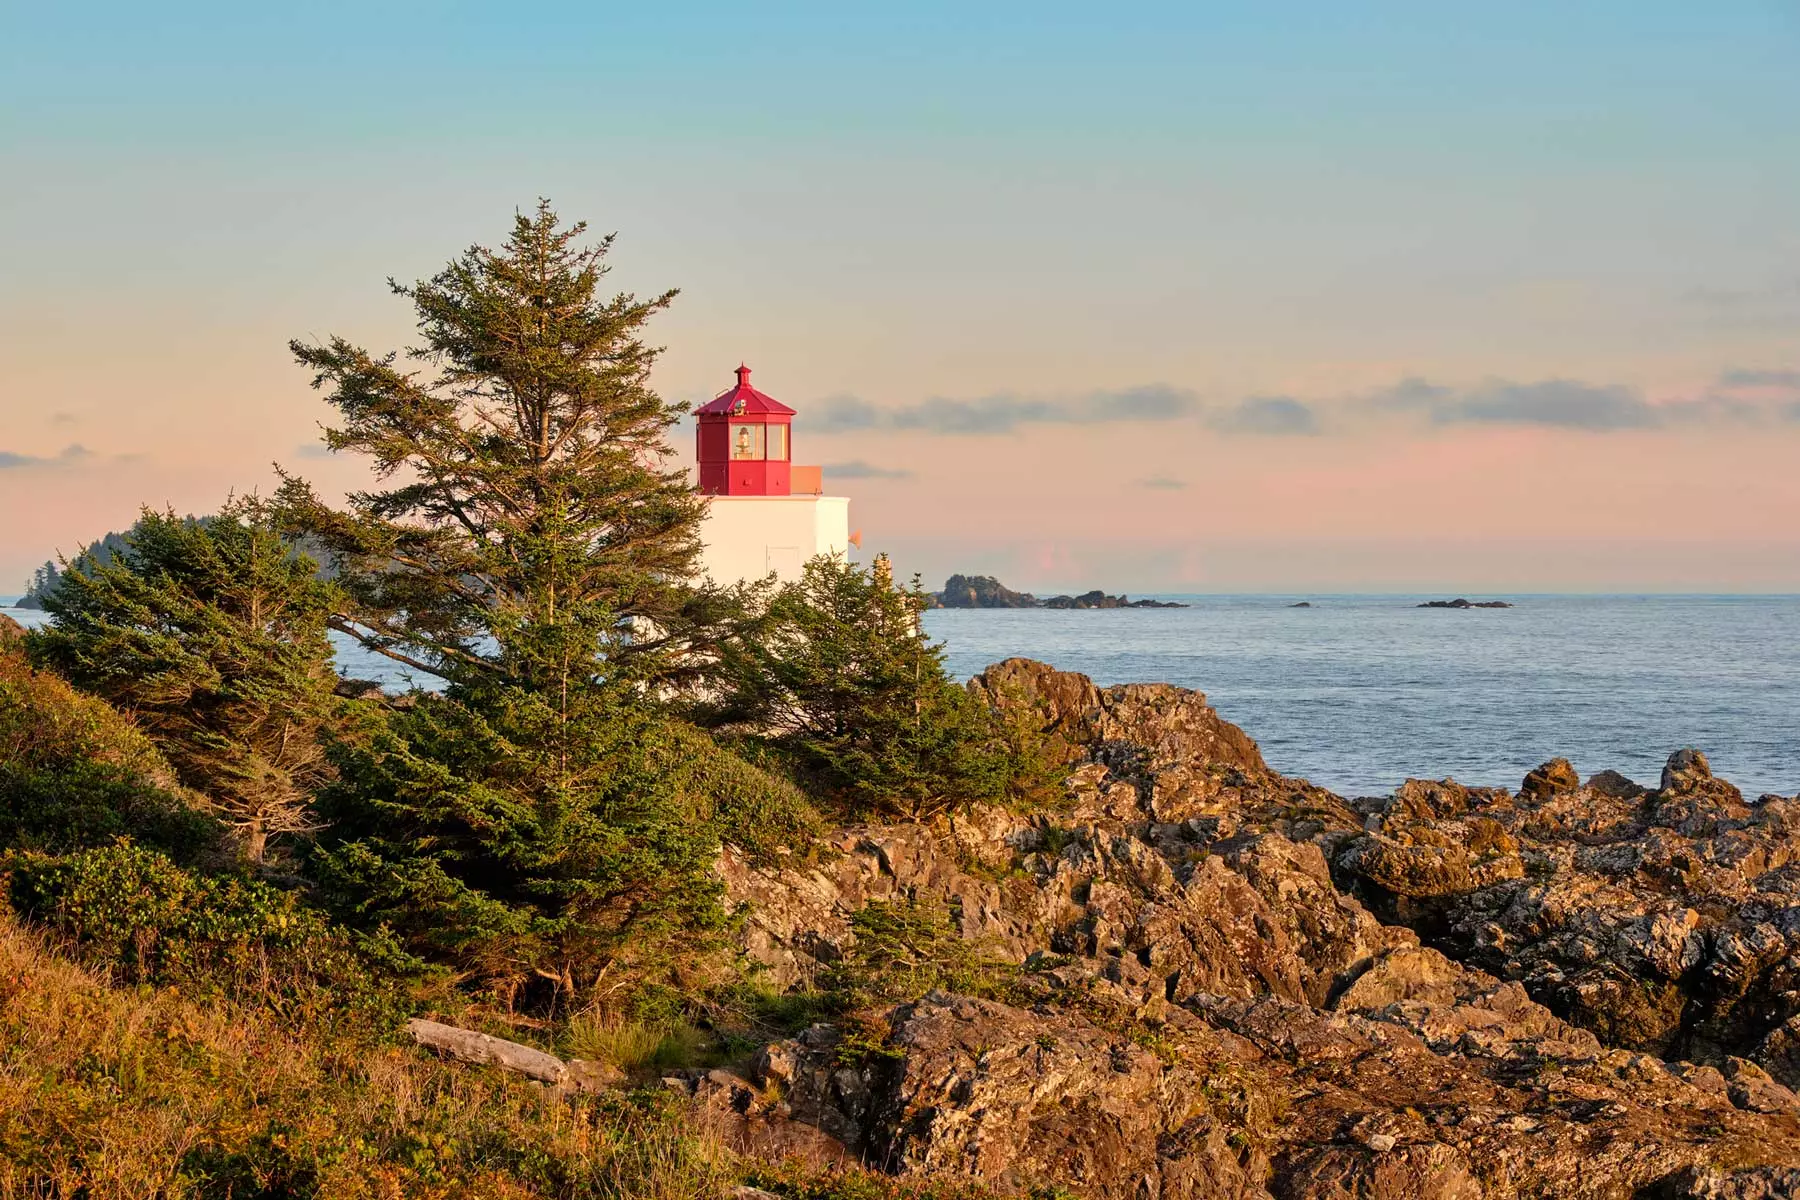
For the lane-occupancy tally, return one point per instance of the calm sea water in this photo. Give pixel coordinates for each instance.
(1360, 692)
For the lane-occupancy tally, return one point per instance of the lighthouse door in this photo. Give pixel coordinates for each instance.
(786, 562)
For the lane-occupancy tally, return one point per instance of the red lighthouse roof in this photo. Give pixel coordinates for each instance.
(728, 402)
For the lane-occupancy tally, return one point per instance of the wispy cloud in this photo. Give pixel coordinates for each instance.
(1788, 381)
(1006, 413)
(70, 454)
(1741, 396)
(312, 450)
(1162, 483)
(858, 469)
(64, 418)
(1559, 403)
(1773, 292)
(1570, 404)
(1272, 415)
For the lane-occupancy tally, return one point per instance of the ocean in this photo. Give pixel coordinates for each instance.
(1358, 693)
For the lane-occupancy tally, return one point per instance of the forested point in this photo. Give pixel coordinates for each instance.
(230, 887)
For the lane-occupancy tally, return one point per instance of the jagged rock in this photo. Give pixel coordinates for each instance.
(1751, 1087)
(982, 591)
(1715, 1183)
(1615, 786)
(1552, 779)
(1237, 984)
(359, 689)
(1685, 771)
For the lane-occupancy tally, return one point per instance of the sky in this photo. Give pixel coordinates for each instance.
(1283, 296)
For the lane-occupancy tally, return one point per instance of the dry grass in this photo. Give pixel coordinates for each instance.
(146, 1093)
(633, 1045)
(107, 1093)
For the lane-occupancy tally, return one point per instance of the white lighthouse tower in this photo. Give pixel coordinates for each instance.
(764, 513)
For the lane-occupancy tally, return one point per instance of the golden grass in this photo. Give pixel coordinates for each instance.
(107, 1093)
(633, 1045)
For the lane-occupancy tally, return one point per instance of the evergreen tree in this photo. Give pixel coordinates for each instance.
(526, 840)
(211, 635)
(532, 547)
(533, 530)
(843, 680)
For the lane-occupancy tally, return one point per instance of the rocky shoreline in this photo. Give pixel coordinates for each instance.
(1232, 983)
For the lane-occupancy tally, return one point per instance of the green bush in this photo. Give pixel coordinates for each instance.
(841, 682)
(136, 913)
(756, 809)
(907, 948)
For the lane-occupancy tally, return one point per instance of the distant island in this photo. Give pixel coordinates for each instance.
(1459, 602)
(984, 591)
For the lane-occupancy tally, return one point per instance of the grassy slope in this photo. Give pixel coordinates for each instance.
(109, 1092)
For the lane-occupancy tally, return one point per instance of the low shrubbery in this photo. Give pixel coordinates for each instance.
(905, 949)
(144, 919)
(110, 1093)
(751, 806)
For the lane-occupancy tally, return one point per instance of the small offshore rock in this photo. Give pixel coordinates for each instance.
(1460, 602)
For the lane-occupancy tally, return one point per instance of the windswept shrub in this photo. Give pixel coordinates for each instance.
(212, 634)
(145, 919)
(841, 681)
(759, 811)
(907, 948)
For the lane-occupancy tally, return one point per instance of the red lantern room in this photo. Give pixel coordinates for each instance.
(744, 449)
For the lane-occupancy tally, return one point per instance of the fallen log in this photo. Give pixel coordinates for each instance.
(474, 1047)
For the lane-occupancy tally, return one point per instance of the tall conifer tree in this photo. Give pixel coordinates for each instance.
(532, 546)
(532, 529)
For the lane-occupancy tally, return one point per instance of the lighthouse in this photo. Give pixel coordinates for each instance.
(764, 514)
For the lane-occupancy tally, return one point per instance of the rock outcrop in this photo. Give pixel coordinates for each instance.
(1232, 983)
(984, 591)
(1666, 920)
(1460, 602)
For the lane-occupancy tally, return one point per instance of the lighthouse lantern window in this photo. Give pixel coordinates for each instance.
(746, 441)
(778, 449)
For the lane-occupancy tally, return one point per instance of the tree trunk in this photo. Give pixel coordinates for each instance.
(256, 842)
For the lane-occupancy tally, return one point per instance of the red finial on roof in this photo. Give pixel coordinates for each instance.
(743, 374)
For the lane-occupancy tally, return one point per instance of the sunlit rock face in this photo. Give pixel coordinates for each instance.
(1236, 984)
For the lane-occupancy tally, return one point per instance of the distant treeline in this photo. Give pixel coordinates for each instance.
(105, 550)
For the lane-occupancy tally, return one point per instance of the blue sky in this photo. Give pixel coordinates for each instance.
(1267, 209)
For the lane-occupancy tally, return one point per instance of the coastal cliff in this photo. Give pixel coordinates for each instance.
(1229, 982)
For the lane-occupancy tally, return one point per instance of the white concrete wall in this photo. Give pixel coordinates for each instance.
(746, 537)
